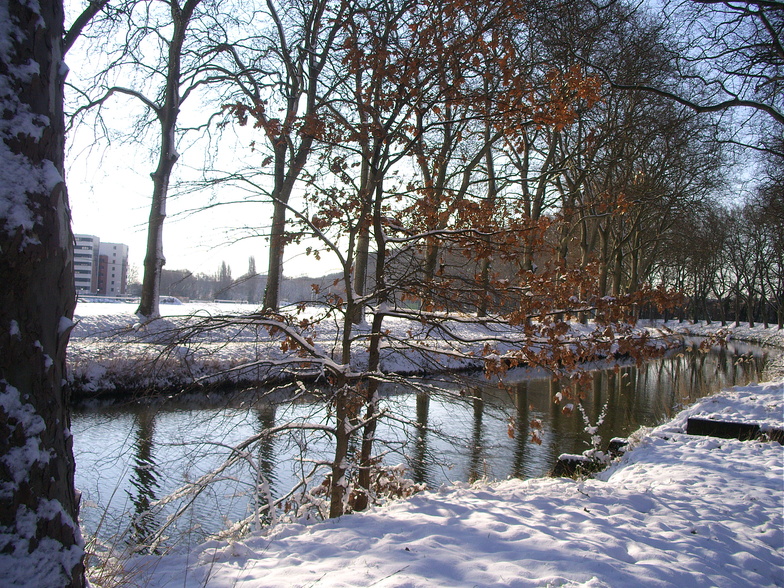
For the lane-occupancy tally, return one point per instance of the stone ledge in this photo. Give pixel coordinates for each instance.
(731, 430)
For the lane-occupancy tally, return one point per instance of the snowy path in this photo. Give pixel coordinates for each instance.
(678, 510)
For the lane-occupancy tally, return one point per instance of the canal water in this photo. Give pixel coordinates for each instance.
(130, 455)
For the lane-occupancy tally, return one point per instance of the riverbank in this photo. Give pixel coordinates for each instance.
(674, 510)
(111, 352)
(215, 345)
(758, 335)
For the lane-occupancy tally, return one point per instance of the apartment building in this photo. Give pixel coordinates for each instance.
(86, 252)
(100, 268)
(112, 269)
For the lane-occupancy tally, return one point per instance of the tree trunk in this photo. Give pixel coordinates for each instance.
(360, 272)
(370, 185)
(617, 271)
(484, 288)
(275, 266)
(281, 194)
(492, 195)
(342, 437)
(429, 268)
(167, 115)
(345, 403)
(40, 541)
(154, 259)
(604, 261)
(371, 420)
(374, 362)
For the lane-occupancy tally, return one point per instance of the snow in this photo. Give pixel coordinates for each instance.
(19, 459)
(676, 510)
(19, 177)
(112, 350)
(64, 325)
(24, 560)
(43, 567)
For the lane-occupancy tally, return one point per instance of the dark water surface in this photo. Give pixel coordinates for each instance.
(130, 455)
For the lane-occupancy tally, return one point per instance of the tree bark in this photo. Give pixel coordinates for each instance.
(374, 364)
(284, 185)
(275, 265)
(40, 541)
(343, 401)
(492, 195)
(362, 256)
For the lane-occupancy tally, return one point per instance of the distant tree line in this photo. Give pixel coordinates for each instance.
(729, 259)
(249, 287)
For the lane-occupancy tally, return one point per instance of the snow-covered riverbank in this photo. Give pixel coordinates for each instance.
(110, 351)
(759, 335)
(676, 510)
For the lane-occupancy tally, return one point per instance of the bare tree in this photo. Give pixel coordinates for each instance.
(160, 61)
(770, 203)
(729, 55)
(40, 540)
(280, 69)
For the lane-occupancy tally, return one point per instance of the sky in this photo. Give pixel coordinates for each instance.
(110, 191)
(110, 188)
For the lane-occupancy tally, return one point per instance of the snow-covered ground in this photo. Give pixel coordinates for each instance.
(676, 510)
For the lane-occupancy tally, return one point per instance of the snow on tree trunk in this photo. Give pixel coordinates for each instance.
(40, 542)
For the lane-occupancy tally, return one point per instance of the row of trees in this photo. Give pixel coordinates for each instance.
(249, 287)
(186, 285)
(729, 260)
(544, 116)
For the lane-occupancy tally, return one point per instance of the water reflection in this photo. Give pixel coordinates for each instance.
(267, 480)
(476, 461)
(521, 430)
(266, 416)
(144, 479)
(143, 453)
(418, 463)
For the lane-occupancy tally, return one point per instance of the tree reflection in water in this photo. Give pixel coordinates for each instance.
(476, 462)
(144, 479)
(266, 479)
(419, 470)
